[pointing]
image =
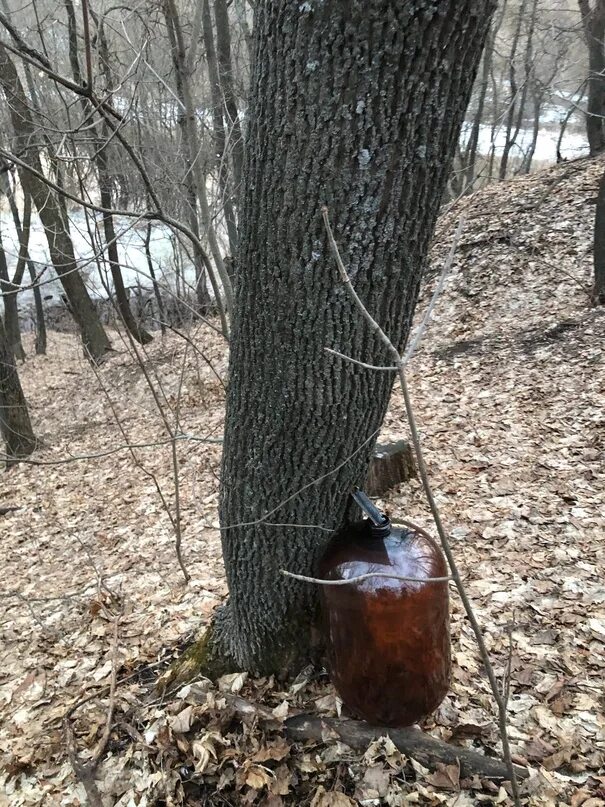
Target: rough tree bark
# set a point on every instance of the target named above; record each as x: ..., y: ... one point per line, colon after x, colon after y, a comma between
x: 15, y: 424
x: 593, y: 20
x: 60, y: 245
x: 356, y: 105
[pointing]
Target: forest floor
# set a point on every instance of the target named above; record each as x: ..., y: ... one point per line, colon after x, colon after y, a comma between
x: 509, y: 390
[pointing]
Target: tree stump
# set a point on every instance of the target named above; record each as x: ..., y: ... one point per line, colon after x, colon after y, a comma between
x: 391, y: 464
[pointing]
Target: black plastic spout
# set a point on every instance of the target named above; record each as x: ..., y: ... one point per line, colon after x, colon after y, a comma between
x: 380, y: 524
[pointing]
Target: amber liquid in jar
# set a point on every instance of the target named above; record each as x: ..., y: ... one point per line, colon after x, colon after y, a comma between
x: 388, y: 640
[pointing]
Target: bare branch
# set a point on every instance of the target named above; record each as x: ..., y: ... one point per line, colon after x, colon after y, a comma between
x: 500, y: 703
x: 22, y: 45
x: 342, y: 356
x: 360, y: 578
x: 438, y: 289
x: 310, y: 484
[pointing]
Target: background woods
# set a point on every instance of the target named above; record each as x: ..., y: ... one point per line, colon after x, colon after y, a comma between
x: 176, y: 431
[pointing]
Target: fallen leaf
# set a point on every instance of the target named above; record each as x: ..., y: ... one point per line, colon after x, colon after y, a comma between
x: 181, y: 722
x: 204, y: 751
x: 257, y: 777
x: 282, y: 781
x: 556, y: 760
x: 446, y: 777
x: 331, y: 798
x: 276, y: 750
x: 233, y: 682
x: 281, y: 712
x: 374, y: 784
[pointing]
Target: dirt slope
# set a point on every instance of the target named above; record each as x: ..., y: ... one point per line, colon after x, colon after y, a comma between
x: 509, y: 388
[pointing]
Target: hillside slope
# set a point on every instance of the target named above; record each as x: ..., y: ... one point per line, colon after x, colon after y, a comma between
x: 509, y: 390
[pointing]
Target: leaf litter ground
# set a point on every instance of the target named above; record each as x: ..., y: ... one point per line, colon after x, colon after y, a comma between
x: 509, y: 390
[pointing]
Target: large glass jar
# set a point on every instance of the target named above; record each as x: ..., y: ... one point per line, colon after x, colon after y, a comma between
x: 388, y: 640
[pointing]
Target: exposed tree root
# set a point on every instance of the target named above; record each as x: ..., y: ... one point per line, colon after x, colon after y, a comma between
x: 411, y: 741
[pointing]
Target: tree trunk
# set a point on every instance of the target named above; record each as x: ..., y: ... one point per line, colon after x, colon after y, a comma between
x: 187, y: 120
x: 598, y: 290
x: 218, y: 125
x: 223, y: 46
x: 537, y: 105
x: 47, y: 203
x: 156, y: 288
x: 40, y: 344
x: 358, y: 106
x: 100, y: 157
x: 11, y: 309
x: 135, y: 328
x: 23, y: 231
x: 470, y: 156
x: 512, y: 107
x: 531, y: 80
x: 593, y: 20
x: 14, y: 417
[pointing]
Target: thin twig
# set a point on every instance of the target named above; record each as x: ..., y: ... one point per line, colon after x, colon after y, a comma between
x: 425, y: 320
x: 104, y: 739
x: 135, y: 458
x: 115, y: 450
x: 157, y: 215
x: 294, y: 525
x: 392, y: 369
x: 361, y: 577
x: 302, y: 489
x: 500, y: 703
x: 506, y: 678
x: 438, y: 289
x: 375, y: 327
x: 85, y: 772
x: 175, y: 470
x: 87, y: 46
x: 190, y: 341
x: 413, y: 526
x: 175, y: 520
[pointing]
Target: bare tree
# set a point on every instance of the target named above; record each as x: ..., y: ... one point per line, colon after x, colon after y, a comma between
x: 11, y: 311
x: 50, y: 211
x: 22, y: 230
x: 195, y: 173
x: 218, y: 126
x: 517, y: 95
x: 593, y: 21
x: 469, y: 157
x: 225, y: 64
x: 15, y: 424
x: 100, y: 157
x: 598, y: 289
